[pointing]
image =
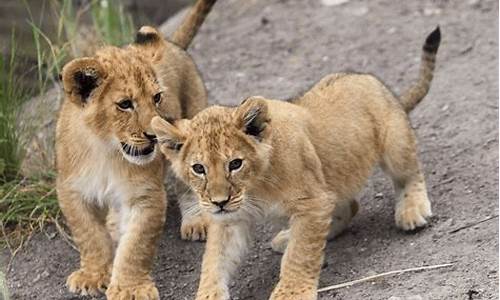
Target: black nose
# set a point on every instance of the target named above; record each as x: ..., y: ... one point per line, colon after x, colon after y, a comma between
x: 150, y: 136
x: 221, y: 204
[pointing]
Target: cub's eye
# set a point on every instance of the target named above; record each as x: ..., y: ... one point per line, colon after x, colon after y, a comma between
x: 235, y: 164
x: 157, y: 98
x: 198, y: 169
x: 125, y: 104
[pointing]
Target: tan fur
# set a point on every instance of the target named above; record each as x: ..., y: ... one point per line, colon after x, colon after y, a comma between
x: 115, y: 202
x: 187, y: 30
x: 307, y: 159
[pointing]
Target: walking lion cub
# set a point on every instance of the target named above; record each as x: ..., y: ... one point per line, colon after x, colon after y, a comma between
x: 308, y: 158
x: 110, y: 182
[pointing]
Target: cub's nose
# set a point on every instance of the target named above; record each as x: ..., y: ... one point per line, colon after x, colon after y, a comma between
x: 221, y: 202
x: 150, y: 136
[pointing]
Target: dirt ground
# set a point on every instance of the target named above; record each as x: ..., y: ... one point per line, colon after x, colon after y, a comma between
x: 279, y: 48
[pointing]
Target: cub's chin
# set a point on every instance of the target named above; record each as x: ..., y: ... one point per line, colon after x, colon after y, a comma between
x: 139, y: 156
x: 225, y: 215
x: 235, y: 214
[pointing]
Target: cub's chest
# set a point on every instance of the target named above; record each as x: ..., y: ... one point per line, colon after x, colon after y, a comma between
x: 103, y: 184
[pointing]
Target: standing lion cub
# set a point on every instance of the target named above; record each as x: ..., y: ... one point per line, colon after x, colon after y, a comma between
x: 110, y: 170
x: 308, y: 158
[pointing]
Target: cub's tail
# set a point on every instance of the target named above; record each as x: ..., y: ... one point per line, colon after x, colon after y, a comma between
x: 190, y: 25
x: 417, y: 92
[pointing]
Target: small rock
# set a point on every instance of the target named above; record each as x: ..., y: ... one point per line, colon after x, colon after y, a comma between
x: 392, y: 30
x: 431, y: 11
x: 379, y: 196
x: 474, y: 3
x: 359, y: 11
x: 436, y: 237
x: 45, y: 274
x: 466, y: 49
x: 325, y: 265
x: 333, y: 2
x: 471, y: 293
x: 37, y: 278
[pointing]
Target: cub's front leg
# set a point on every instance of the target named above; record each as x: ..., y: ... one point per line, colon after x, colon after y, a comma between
x: 144, y: 219
x: 226, y: 244
x: 87, y: 225
x: 303, y: 257
x: 194, y: 226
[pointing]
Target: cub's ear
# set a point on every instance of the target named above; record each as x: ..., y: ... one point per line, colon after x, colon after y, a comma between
x: 252, y: 117
x: 170, y: 138
x: 81, y: 77
x: 150, y: 42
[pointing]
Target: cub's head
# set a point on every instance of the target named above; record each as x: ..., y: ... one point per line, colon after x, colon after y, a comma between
x: 116, y: 94
x: 221, y: 153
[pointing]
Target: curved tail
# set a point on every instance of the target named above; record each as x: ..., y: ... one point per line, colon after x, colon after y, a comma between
x: 190, y: 25
x: 417, y: 92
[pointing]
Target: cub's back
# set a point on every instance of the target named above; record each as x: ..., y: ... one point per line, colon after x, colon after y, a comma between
x: 347, y: 125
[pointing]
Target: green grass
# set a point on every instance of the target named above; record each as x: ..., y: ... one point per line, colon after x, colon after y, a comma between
x: 27, y: 204
x: 11, y: 99
x: 114, y: 26
x: 110, y: 25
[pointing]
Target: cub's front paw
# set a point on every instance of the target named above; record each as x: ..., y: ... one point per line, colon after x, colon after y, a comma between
x: 213, y: 294
x: 283, y: 292
x: 144, y: 291
x: 194, y: 228
x: 88, y: 283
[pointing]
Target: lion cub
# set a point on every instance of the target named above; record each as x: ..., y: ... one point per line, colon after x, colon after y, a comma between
x: 110, y: 170
x: 308, y: 158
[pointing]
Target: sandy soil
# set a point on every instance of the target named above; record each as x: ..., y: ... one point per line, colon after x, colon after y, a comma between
x: 279, y: 48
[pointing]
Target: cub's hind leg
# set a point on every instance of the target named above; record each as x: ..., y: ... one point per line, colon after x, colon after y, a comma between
x: 343, y: 213
x: 89, y: 232
x: 401, y: 163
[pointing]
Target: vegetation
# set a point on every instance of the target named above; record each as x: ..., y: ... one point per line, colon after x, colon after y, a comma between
x: 110, y: 25
x: 27, y: 204
x: 11, y: 98
x: 114, y: 26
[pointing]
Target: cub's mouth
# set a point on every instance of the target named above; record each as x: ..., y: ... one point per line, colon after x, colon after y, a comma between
x: 136, y: 151
x: 139, y: 155
x: 223, y: 211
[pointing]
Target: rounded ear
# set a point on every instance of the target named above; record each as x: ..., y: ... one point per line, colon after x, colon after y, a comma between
x: 170, y: 137
x: 252, y: 117
x: 149, y: 41
x: 81, y: 77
